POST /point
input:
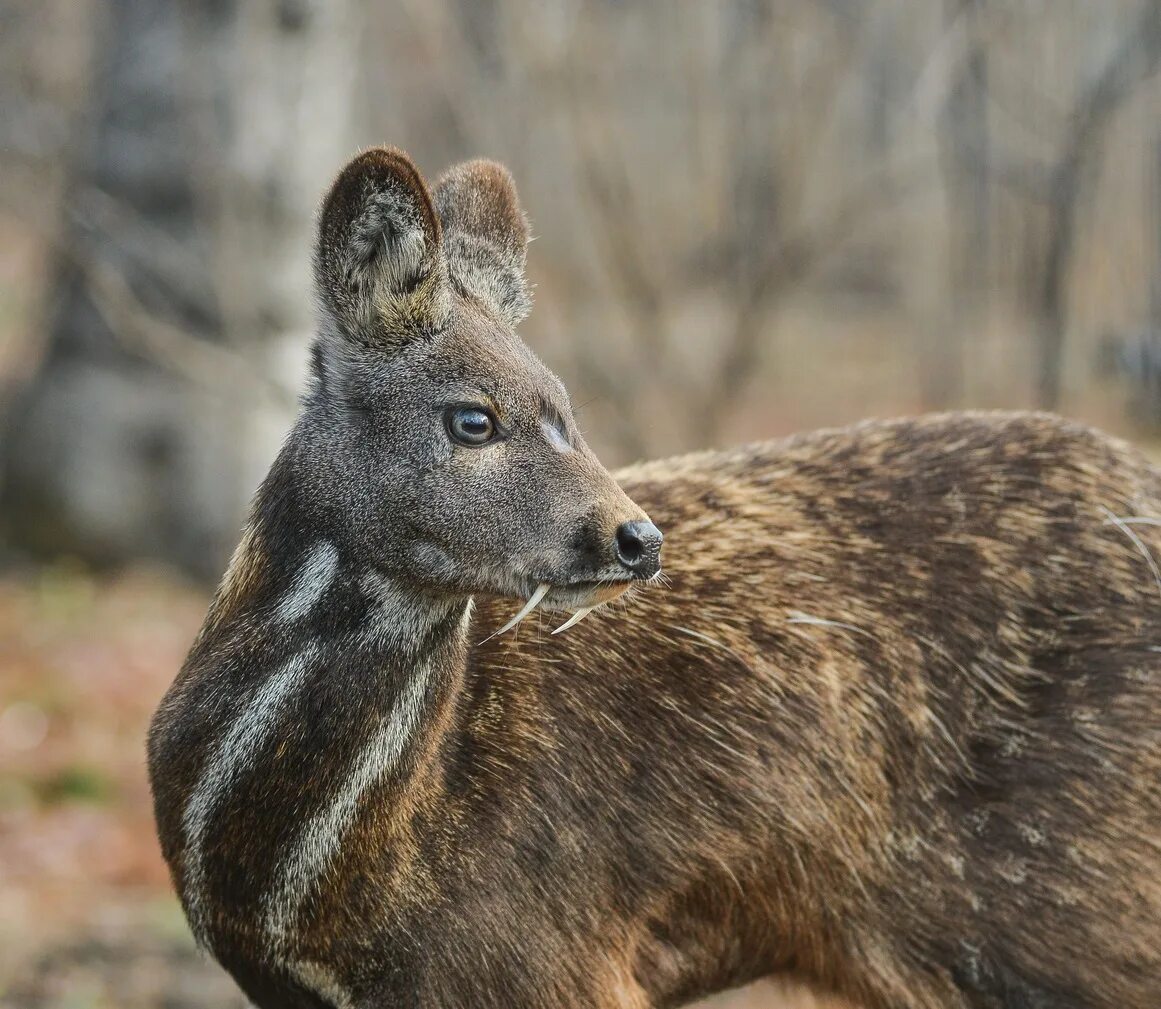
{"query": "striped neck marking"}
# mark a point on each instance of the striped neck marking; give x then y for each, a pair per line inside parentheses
(322, 835)
(235, 754)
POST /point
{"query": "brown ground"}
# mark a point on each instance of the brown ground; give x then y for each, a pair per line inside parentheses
(86, 917)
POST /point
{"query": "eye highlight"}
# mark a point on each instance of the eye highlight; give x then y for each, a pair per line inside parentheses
(471, 425)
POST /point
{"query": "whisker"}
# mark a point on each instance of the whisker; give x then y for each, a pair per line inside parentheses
(1138, 520)
(1137, 542)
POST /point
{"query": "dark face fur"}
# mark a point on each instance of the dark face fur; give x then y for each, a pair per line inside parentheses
(446, 452)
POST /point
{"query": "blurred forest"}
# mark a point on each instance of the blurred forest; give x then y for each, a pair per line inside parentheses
(752, 216)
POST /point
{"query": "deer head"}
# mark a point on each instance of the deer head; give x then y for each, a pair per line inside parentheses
(435, 445)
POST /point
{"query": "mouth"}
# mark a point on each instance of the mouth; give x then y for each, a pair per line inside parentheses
(578, 597)
(574, 595)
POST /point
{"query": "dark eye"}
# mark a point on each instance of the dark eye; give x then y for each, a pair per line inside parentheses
(469, 425)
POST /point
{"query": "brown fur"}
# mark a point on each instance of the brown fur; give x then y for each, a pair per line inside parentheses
(891, 724)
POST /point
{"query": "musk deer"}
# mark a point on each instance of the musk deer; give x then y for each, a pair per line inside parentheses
(891, 724)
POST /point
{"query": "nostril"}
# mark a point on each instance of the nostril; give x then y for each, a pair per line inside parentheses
(629, 545)
(638, 546)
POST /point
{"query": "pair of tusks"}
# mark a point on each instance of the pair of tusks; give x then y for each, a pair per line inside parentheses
(533, 602)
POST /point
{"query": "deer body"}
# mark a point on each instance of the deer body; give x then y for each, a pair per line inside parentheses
(893, 725)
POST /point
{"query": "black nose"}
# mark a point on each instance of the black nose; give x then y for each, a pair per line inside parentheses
(638, 546)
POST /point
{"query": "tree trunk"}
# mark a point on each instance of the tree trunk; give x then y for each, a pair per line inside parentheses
(964, 145)
(182, 285)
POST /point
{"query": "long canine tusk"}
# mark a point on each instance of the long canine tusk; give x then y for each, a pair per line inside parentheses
(575, 619)
(528, 607)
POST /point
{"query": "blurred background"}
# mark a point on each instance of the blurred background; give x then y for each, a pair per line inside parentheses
(752, 217)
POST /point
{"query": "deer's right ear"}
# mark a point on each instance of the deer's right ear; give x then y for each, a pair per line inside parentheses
(379, 261)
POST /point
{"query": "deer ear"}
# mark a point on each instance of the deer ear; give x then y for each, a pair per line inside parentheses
(379, 262)
(485, 236)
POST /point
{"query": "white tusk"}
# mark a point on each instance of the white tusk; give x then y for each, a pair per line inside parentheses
(576, 618)
(528, 607)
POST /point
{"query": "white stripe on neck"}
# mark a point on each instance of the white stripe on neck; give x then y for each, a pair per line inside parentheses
(317, 978)
(312, 579)
(235, 754)
(400, 618)
(238, 749)
(322, 834)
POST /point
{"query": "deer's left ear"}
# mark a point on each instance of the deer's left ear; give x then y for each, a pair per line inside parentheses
(485, 235)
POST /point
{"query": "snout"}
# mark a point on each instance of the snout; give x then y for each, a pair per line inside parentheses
(637, 546)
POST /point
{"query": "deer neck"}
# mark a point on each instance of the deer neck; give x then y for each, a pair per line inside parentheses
(339, 681)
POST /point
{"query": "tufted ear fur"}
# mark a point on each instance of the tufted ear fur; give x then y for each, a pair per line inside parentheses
(485, 237)
(379, 262)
